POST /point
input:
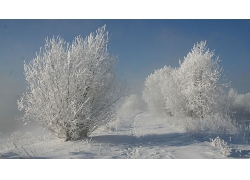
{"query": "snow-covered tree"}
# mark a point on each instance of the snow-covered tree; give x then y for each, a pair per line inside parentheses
(200, 76)
(195, 92)
(152, 93)
(72, 89)
(162, 93)
(194, 89)
(239, 105)
(175, 104)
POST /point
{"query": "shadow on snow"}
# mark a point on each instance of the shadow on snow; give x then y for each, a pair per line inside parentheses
(174, 139)
(240, 154)
(12, 155)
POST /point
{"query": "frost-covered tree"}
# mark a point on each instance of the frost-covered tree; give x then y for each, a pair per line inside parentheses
(194, 92)
(175, 104)
(72, 89)
(152, 93)
(239, 105)
(200, 84)
(162, 93)
(194, 89)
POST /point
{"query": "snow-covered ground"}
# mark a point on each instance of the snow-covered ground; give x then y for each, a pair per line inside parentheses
(142, 136)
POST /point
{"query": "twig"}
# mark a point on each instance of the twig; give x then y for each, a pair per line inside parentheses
(23, 149)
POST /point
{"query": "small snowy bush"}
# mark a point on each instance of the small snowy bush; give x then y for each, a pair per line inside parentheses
(225, 149)
(216, 124)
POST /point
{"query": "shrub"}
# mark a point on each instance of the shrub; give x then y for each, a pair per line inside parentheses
(72, 89)
(194, 92)
(194, 89)
(220, 143)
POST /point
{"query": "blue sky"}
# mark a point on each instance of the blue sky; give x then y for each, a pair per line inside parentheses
(141, 45)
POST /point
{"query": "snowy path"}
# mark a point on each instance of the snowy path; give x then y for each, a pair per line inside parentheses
(141, 137)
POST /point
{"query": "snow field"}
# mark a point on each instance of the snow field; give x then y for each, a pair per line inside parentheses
(142, 136)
